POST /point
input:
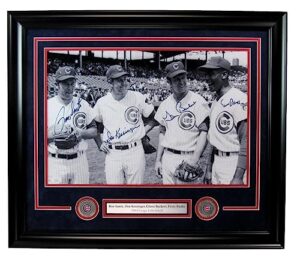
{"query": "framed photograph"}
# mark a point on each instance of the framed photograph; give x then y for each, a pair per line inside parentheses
(147, 129)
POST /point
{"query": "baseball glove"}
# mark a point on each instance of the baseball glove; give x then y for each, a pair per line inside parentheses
(66, 139)
(148, 148)
(188, 173)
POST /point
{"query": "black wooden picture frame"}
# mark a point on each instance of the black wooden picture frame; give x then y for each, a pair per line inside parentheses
(266, 222)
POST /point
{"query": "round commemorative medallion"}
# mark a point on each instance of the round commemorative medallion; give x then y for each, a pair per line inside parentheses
(87, 208)
(207, 208)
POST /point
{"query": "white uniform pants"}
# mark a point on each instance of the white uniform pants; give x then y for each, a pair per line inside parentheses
(169, 162)
(73, 171)
(223, 169)
(125, 166)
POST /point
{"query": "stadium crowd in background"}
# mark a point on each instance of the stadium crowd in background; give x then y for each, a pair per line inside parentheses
(92, 84)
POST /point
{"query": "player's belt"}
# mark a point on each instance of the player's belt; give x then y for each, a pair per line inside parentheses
(65, 156)
(122, 147)
(221, 153)
(179, 152)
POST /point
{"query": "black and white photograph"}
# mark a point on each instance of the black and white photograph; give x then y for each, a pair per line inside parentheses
(157, 129)
(147, 117)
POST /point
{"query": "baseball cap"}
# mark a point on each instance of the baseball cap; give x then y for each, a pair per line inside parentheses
(175, 68)
(115, 71)
(216, 62)
(64, 73)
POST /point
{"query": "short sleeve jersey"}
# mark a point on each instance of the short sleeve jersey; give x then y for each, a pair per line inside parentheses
(77, 114)
(122, 119)
(182, 120)
(225, 115)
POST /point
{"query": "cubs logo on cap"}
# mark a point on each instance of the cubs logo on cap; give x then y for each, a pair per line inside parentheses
(115, 71)
(175, 66)
(64, 73)
(174, 69)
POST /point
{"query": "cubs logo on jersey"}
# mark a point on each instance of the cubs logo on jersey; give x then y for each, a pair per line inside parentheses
(186, 120)
(224, 122)
(79, 120)
(132, 115)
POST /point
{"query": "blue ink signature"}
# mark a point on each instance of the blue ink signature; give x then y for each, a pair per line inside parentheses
(109, 137)
(119, 133)
(61, 119)
(169, 117)
(233, 102)
(181, 108)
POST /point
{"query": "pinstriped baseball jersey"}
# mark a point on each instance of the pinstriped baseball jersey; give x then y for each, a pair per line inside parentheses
(182, 120)
(77, 114)
(230, 109)
(122, 119)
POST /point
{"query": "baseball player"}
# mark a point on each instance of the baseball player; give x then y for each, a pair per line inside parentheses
(228, 124)
(120, 112)
(183, 119)
(71, 118)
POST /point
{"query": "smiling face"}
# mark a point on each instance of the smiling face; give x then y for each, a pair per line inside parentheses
(178, 84)
(216, 79)
(119, 87)
(66, 89)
